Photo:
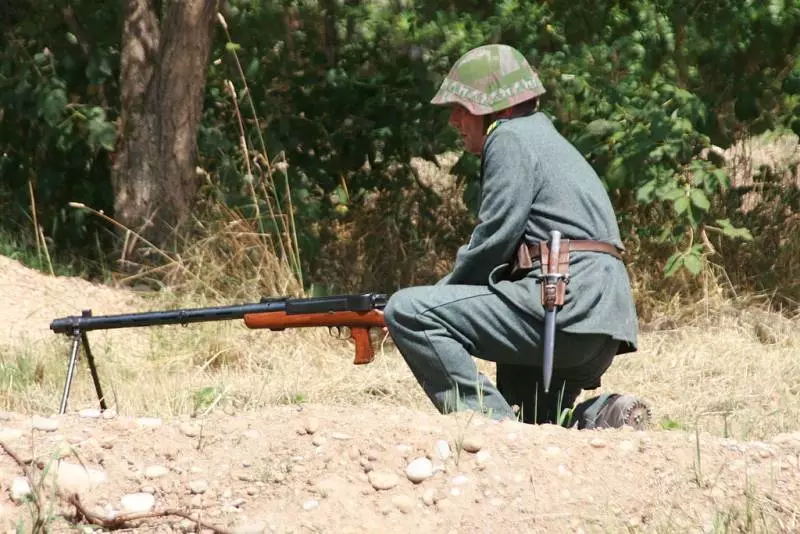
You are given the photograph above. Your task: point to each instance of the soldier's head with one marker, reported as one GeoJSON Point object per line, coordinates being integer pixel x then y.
{"type": "Point", "coordinates": [485, 84]}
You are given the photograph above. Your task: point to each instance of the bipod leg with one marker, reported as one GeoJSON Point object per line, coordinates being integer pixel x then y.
{"type": "Point", "coordinates": [93, 369]}
{"type": "Point", "coordinates": [77, 335]}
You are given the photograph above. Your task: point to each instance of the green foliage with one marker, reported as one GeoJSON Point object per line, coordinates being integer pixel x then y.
{"type": "Point", "coordinates": [648, 91]}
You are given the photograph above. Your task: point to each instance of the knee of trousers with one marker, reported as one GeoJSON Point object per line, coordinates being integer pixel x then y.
{"type": "Point", "coordinates": [402, 308]}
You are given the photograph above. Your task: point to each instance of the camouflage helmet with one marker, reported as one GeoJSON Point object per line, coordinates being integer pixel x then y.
{"type": "Point", "coordinates": [488, 79]}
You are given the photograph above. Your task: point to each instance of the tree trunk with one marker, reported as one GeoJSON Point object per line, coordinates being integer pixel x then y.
{"type": "Point", "coordinates": [163, 77]}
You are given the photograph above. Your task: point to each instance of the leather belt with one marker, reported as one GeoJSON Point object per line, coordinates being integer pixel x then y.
{"type": "Point", "coordinates": [575, 245]}
{"type": "Point", "coordinates": [528, 252]}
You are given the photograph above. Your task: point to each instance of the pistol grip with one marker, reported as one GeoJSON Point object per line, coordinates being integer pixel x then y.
{"type": "Point", "coordinates": [364, 351]}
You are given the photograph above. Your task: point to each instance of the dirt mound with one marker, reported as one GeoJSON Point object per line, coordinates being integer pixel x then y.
{"type": "Point", "coordinates": [319, 469]}
{"type": "Point", "coordinates": [367, 468]}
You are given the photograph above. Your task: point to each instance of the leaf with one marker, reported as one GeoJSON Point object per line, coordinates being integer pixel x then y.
{"type": "Point", "coordinates": [731, 231]}
{"type": "Point", "coordinates": [53, 106]}
{"type": "Point", "coordinates": [700, 199]}
{"type": "Point", "coordinates": [230, 46]}
{"type": "Point", "coordinates": [681, 205]}
{"type": "Point", "coordinates": [602, 128]}
{"type": "Point", "coordinates": [645, 193]}
{"type": "Point", "coordinates": [693, 263]}
{"type": "Point", "coordinates": [673, 264]}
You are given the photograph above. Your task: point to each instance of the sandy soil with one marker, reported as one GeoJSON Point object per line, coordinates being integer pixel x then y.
{"type": "Point", "coordinates": [367, 468]}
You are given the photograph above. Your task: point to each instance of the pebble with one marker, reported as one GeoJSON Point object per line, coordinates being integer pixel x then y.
{"type": "Point", "coordinates": [597, 443]}
{"type": "Point", "coordinates": [148, 422]}
{"type": "Point", "coordinates": [254, 527]}
{"type": "Point", "coordinates": [552, 450]}
{"type": "Point", "coordinates": [472, 444]}
{"type": "Point", "coordinates": [75, 478]}
{"type": "Point", "coordinates": [10, 434]}
{"type": "Point", "coordinates": [138, 502]}
{"type": "Point", "coordinates": [318, 441]}
{"type": "Point", "coordinates": [111, 413]}
{"type": "Point", "coordinates": [155, 471]}
{"type": "Point", "coordinates": [404, 503]}
{"type": "Point", "coordinates": [442, 449]}
{"type": "Point", "coordinates": [190, 430]}
{"type": "Point", "coordinates": [90, 413]}
{"type": "Point", "coordinates": [419, 470]}
{"type": "Point", "coordinates": [198, 487]}
{"type": "Point", "coordinates": [341, 436]}
{"type": "Point", "coordinates": [482, 458]}
{"type": "Point", "coordinates": [460, 479]}
{"type": "Point", "coordinates": [383, 480]}
{"type": "Point", "coordinates": [44, 424]}
{"type": "Point", "coordinates": [20, 489]}
{"type": "Point", "coordinates": [311, 425]}
{"type": "Point", "coordinates": [429, 497]}
{"type": "Point", "coordinates": [310, 504]}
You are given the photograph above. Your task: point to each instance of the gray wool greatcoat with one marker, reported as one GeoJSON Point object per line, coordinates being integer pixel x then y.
{"type": "Point", "coordinates": [532, 181]}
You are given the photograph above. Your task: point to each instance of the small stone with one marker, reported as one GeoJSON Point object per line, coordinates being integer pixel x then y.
{"type": "Point", "coordinates": [107, 443]}
{"type": "Point", "coordinates": [310, 504]}
{"type": "Point", "coordinates": [155, 471]}
{"type": "Point", "coordinates": [190, 430]}
{"type": "Point", "coordinates": [626, 446]}
{"type": "Point", "coordinates": [442, 449]}
{"type": "Point", "coordinates": [460, 479]}
{"type": "Point", "coordinates": [482, 458]}
{"type": "Point", "coordinates": [111, 413]}
{"type": "Point", "coordinates": [383, 480]}
{"type": "Point", "coordinates": [419, 470]}
{"type": "Point", "coordinates": [472, 444]}
{"type": "Point", "coordinates": [311, 425]}
{"type": "Point", "coordinates": [429, 497]}
{"type": "Point", "coordinates": [254, 527]}
{"type": "Point", "coordinates": [341, 436]}
{"type": "Point", "coordinates": [318, 441]}
{"type": "Point", "coordinates": [198, 487]}
{"type": "Point", "coordinates": [404, 503]}
{"type": "Point", "coordinates": [148, 422]}
{"type": "Point", "coordinates": [138, 503]}
{"type": "Point", "coordinates": [597, 443]}
{"type": "Point", "coordinates": [44, 424]}
{"type": "Point", "coordinates": [75, 478]}
{"type": "Point", "coordinates": [10, 434]}
{"type": "Point", "coordinates": [552, 450]}
{"type": "Point", "coordinates": [148, 489]}
{"type": "Point", "coordinates": [20, 489]}
{"type": "Point", "coordinates": [403, 449]}
{"type": "Point", "coordinates": [90, 413]}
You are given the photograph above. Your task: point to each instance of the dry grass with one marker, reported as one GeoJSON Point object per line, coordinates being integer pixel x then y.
{"type": "Point", "coordinates": [730, 368]}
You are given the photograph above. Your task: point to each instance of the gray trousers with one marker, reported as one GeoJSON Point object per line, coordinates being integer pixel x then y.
{"type": "Point", "coordinates": [438, 329]}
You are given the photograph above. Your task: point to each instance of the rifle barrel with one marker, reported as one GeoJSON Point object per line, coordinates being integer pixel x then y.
{"type": "Point", "coordinates": [336, 303]}
{"type": "Point", "coordinates": [67, 325]}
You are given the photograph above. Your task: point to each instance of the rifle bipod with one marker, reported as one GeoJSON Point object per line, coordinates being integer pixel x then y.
{"type": "Point", "coordinates": [79, 338]}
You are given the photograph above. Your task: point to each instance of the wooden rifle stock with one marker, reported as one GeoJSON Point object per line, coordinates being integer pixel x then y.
{"type": "Point", "coordinates": [358, 322]}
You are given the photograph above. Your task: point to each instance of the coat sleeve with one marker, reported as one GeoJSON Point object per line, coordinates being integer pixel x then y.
{"type": "Point", "coordinates": [510, 184]}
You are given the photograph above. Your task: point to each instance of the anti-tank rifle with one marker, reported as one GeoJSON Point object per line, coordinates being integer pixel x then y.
{"type": "Point", "coordinates": [356, 313]}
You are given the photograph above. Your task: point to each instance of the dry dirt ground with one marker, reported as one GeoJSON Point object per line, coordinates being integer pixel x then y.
{"type": "Point", "coordinates": [365, 468]}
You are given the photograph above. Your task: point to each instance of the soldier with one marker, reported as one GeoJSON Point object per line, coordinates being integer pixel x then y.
{"type": "Point", "coordinates": [532, 181]}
